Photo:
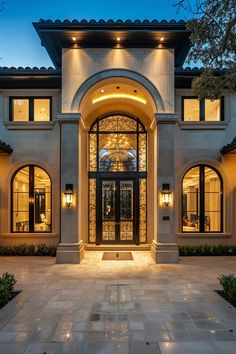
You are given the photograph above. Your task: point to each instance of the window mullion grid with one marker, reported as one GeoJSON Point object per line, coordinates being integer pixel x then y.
{"type": "Point", "coordinates": [202, 199]}
{"type": "Point", "coordinates": [202, 110]}
{"type": "Point", "coordinates": [31, 109]}
{"type": "Point", "coordinates": [31, 198]}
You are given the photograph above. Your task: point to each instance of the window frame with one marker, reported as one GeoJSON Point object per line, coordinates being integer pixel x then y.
{"type": "Point", "coordinates": [137, 132]}
{"type": "Point", "coordinates": [202, 200]}
{"type": "Point", "coordinates": [31, 197]}
{"type": "Point", "coordinates": [31, 108]}
{"type": "Point", "coordinates": [202, 110]}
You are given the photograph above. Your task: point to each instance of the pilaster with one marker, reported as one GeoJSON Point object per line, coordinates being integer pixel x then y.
{"type": "Point", "coordinates": [70, 248]}
{"type": "Point", "coordinates": [164, 248]}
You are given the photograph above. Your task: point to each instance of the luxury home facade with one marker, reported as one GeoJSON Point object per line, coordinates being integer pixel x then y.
{"type": "Point", "coordinates": [111, 150]}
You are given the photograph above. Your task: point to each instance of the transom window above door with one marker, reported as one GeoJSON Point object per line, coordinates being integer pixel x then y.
{"type": "Point", "coordinates": [24, 109]}
{"type": "Point", "coordinates": [117, 144]}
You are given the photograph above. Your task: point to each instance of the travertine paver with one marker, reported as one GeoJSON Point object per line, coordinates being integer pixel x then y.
{"type": "Point", "coordinates": [118, 307]}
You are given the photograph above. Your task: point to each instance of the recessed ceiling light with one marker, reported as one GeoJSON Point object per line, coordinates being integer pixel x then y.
{"type": "Point", "coordinates": [162, 39]}
{"type": "Point", "coordinates": [117, 87]}
{"type": "Point", "coordinates": [74, 39]}
{"type": "Point", "coordinates": [135, 91]}
{"type": "Point", "coordinates": [118, 39]}
{"type": "Point", "coordinates": [102, 90]}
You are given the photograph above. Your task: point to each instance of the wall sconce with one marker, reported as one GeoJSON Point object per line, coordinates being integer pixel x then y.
{"type": "Point", "coordinates": [166, 194]}
{"type": "Point", "coordinates": [68, 193]}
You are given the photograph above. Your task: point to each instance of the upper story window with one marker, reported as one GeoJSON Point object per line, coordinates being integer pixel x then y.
{"type": "Point", "coordinates": [194, 110]}
{"type": "Point", "coordinates": [24, 109]}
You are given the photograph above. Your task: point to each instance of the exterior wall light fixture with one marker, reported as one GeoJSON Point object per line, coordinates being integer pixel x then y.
{"type": "Point", "coordinates": [68, 194]}
{"type": "Point", "coordinates": [166, 194]}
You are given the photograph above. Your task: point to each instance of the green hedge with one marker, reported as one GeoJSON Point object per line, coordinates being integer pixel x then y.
{"type": "Point", "coordinates": [28, 250]}
{"type": "Point", "coordinates": [228, 283]}
{"type": "Point", "coordinates": [208, 250]}
{"type": "Point", "coordinates": [7, 282]}
{"type": "Point", "coordinates": [44, 250]}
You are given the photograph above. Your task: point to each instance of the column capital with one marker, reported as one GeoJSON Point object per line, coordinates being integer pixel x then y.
{"type": "Point", "coordinates": [167, 118]}
{"type": "Point", "coordinates": [64, 118]}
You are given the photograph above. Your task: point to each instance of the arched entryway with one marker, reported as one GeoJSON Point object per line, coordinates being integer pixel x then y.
{"type": "Point", "coordinates": [105, 100]}
{"type": "Point", "coordinates": [117, 180]}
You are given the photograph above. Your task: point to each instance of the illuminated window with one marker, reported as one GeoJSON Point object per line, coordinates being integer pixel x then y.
{"type": "Point", "coordinates": [31, 200]}
{"type": "Point", "coordinates": [121, 143]}
{"type": "Point", "coordinates": [203, 110]}
{"type": "Point", "coordinates": [30, 109]}
{"type": "Point", "coordinates": [202, 200]}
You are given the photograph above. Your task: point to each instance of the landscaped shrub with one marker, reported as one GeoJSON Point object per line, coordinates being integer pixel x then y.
{"type": "Point", "coordinates": [7, 282]}
{"type": "Point", "coordinates": [228, 283]}
{"type": "Point", "coordinates": [208, 250]}
{"type": "Point", "coordinates": [28, 250]}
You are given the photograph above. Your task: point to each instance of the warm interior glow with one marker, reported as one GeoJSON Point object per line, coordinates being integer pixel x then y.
{"type": "Point", "coordinates": [162, 39]}
{"type": "Point", "coordinates": [191, 110]}
{"type": "Point", "coordinates": [118, 39]}
{"type": "Point", "coordinates": [119, 95]}
{"type": "Point", "coordinates": [41, 199]}
{"type": "Point", "coordinates": [41, 109]}
{"type": "Point", "coordinates": [74, 39]}
{"type": "Point", "coordinates": [192, 188]}
{"type": "Point", "coordinates": [212, 110]}
{"type": "Point", "coordinates": [20, 110]}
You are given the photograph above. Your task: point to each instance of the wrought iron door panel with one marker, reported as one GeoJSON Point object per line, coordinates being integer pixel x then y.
{"type": "Point", "coordinates": [117, 211]}
{"type": "Point", "coordinates": [108, 210]}
{"type": "Point", "coordinates": [126, 210]}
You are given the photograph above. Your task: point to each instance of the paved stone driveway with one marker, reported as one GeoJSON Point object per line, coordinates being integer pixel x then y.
{"type": "Point", "coordinates": [117, 307]}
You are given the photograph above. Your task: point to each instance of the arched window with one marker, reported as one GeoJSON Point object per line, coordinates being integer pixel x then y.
{"type": "Point", "coordinates": [117, 144]}
{"type": "Point", "coordinates": [202, 200]}
{"type": "Point", "coordinates": [31, 200]}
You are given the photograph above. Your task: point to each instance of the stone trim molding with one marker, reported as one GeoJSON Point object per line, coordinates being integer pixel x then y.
{"type": "Point", "coordinates": [164, 252]}
{"type": "Point", "coordinates": [202, 125]}
{"type": "Point", "coordinates": [70, 252]}
{"type": "Point", "coordinates": [30, 125]}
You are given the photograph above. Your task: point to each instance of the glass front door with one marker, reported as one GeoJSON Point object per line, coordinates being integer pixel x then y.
{"type": "Point", "coordinates": [117, 218]}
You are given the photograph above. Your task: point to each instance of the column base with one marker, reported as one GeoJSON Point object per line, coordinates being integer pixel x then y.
{"type": "Point", "coordinates": [164, 252]}
{"type": "Point", "coordinates": [70, 252]}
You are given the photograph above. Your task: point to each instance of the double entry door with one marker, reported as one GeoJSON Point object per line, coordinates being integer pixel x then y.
{"type": "Point", "coordinates": [117, 211]}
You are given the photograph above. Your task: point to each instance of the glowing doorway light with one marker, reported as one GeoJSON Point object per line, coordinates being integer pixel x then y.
{"type": "Point", "coordinates": [119, 95]}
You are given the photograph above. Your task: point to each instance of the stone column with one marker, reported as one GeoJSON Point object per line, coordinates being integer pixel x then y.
{"type": "Point", "coordinates": [164, 248]}
{"type": "Point", "coordinates": [70, 248]}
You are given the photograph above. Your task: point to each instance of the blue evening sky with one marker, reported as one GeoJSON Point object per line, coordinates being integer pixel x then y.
{"type": "Point", "coordinates": [20, 44]}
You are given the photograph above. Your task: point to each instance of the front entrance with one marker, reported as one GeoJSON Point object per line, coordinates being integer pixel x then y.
{"type": "Point", "coordinates": [117, 181]}
{"type": "Point", "coordinates": [117, 213]}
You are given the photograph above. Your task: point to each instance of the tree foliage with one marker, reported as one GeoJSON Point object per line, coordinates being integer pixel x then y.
{"type": "Point", "coordinates": [213, 38]}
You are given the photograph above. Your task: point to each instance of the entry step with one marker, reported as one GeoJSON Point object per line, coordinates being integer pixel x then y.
{"type": "Point", "coordinates": [90, 247]}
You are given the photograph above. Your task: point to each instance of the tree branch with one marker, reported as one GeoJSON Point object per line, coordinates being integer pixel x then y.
{"type": "Point", "coordinates": [229, 28]}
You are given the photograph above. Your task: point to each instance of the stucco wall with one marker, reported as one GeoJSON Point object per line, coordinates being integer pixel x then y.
{"type": "Point", "coordinates": [202, 144]}
{"type": "Point", "coordinates": [37, 144]}
{"type": "Point", "coordinates": [80, 64]}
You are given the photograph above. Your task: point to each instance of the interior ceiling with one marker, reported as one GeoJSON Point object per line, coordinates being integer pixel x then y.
{"type": "Point", "coordinates": [117, 95]}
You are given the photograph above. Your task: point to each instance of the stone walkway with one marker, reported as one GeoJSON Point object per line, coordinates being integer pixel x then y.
{"type": "Point", "coordinates": [118, 307]}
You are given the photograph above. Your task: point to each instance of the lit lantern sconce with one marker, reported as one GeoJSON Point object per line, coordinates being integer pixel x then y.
{"type": "Point", "coordinates": [166, 194]}
{"type": "Point", "coordinates": [68, 193]}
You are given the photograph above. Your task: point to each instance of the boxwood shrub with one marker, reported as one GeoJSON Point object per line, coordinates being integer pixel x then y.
{"type": "Point", "coordinates": [7, 282]}
{"type": "Point", "coordinates": [29, 250]}
{"type": "Point", "coordinates": [228, 283]}
{"type": "Point", "coordinates": [208, 250]}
